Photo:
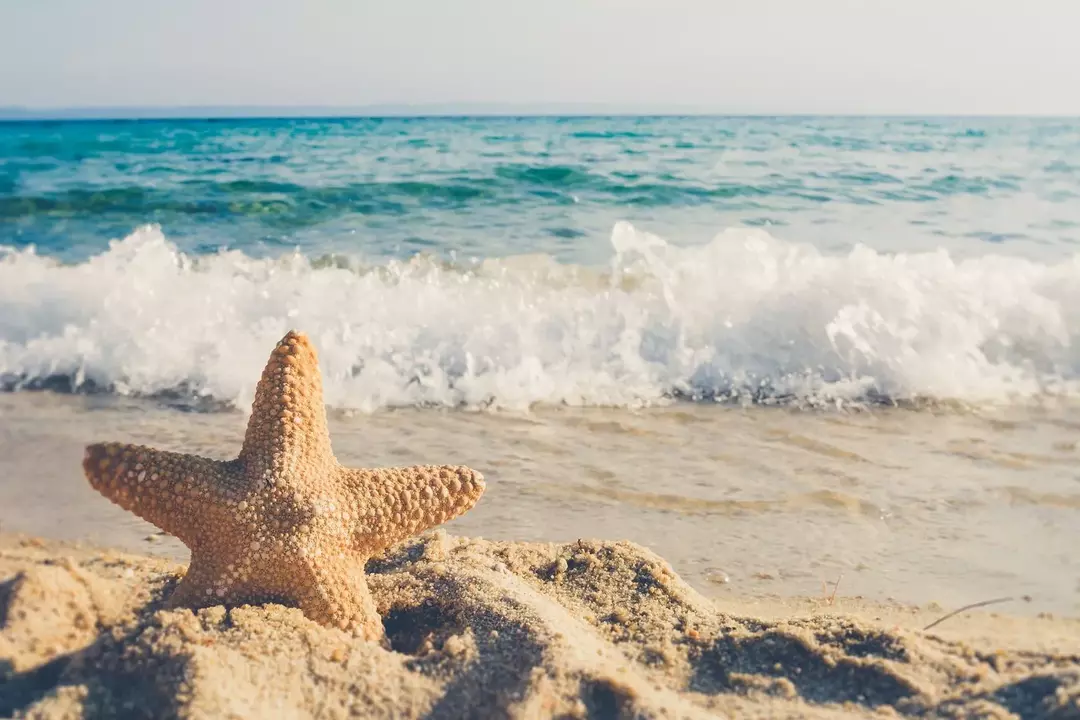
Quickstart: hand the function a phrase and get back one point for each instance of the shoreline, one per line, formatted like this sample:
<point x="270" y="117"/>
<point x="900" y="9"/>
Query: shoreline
<point x="585" y="629"/>
<point x="917" y="507"/>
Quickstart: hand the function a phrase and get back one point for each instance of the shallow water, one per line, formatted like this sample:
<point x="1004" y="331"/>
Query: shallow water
<point x="938" y="505"/>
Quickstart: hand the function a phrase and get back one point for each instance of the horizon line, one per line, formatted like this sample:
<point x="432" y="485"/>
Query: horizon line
<point x="442" y="110"/>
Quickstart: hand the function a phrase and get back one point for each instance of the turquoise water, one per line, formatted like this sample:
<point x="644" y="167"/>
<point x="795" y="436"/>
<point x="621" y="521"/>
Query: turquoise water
<point x="582" y="261"/>
<point x="494" y="187"/>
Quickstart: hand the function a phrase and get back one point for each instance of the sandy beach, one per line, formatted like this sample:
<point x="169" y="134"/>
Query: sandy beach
<point x="618" y="417"/>
<point x="498" y="629"/>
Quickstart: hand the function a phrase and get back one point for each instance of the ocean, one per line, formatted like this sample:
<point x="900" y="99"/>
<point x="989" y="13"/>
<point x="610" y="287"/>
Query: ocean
<point x="778" y="351"/>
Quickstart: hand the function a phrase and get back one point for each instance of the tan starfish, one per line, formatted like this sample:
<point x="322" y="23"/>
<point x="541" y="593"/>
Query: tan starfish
<point x="284" y="522"/>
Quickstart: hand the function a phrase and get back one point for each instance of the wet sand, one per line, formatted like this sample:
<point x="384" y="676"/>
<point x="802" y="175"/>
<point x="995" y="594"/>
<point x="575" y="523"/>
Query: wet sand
<point x="940" y="505"/>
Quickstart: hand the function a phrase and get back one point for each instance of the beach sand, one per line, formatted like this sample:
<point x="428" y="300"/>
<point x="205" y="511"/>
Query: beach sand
<point x="502" y="629"/>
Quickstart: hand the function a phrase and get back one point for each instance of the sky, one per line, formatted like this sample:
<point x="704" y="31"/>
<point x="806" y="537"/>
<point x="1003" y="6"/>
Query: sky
<point x="726" y="56"/>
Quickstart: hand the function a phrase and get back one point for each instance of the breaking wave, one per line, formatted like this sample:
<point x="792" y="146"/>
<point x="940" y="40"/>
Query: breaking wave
<point x="745" y="318"/>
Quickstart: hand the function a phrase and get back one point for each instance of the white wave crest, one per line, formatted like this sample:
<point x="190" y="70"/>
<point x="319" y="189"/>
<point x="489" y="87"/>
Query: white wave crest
<point x="746" y="316"/>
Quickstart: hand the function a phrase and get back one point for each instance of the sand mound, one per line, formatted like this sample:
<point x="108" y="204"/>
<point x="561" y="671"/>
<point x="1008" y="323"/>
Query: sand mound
<point x="587" y="629"/>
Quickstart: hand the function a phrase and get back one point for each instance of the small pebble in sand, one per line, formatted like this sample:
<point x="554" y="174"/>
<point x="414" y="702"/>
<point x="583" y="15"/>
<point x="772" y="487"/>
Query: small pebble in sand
<point x="454" y="645"/>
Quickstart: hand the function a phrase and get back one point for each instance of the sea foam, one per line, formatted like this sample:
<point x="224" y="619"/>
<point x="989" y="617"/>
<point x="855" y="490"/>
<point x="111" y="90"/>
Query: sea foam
<point x="746" y="317"/>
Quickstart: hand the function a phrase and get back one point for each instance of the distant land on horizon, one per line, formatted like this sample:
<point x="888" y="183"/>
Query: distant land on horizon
<point x="195" y="112"/>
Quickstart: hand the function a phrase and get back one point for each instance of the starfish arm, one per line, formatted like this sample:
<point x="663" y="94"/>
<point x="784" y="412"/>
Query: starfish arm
<point x="181" y="494"/>
<point x="217" y="576"/>
<point x="197" y="588"/>
<point x="392" y="504"/>
<point x="287" y="427"/>
<point x="338" y="595"/>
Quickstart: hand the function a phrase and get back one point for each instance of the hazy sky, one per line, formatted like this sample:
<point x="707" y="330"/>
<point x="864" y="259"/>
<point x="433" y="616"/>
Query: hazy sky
<point x="876" y="56"/>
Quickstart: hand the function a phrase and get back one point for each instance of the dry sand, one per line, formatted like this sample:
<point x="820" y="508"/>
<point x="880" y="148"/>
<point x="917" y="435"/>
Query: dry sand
<point x="490" y="629"/>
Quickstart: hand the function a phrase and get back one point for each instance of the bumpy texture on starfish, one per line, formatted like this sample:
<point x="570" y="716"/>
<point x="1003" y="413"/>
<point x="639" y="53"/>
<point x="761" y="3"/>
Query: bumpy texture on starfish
<point x="284" y="522"/>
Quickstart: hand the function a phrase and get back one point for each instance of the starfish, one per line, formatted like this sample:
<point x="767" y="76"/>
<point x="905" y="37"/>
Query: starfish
<point x="283" y="522"/>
